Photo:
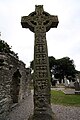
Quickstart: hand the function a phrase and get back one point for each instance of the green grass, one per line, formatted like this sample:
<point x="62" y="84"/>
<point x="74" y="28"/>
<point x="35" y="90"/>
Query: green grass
<point x="58" y="97"/>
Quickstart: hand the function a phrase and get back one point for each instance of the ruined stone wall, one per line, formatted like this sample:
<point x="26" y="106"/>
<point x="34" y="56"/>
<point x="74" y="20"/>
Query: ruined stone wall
<point x="14" y="83"/>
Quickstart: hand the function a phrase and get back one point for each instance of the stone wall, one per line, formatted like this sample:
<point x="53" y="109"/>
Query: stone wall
<point x="14" y="83"/>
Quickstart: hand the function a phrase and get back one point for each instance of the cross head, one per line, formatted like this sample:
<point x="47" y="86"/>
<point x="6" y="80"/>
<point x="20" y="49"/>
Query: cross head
<point x="39" y="19"/>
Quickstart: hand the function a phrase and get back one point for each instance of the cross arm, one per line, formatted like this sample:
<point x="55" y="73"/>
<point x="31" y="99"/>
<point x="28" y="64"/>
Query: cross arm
<point x="26" y="23"/>
<point x="55" y="21"/>
<point x="51" y="22"/>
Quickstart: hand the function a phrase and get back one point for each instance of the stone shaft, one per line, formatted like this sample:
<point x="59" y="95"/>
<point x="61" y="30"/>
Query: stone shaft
<point x="41" y="73"/>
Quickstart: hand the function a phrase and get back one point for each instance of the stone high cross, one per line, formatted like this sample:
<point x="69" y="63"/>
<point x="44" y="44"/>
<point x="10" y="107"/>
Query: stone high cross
<point x="40" y="22"/>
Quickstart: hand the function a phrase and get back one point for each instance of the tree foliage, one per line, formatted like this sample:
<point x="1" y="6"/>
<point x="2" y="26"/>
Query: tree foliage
<point x="52" y="62"/>
<point x="61" y="67"/>
<point x="4" y="47"/>
<point x="64" y="67"/>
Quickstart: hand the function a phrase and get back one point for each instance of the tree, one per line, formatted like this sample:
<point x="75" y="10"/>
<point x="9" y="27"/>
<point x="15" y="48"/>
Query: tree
<point x="65" y="67"/>
<point x="4" y="47"/>
<point x="60" y="68"/>
<point x="52" y="62"/>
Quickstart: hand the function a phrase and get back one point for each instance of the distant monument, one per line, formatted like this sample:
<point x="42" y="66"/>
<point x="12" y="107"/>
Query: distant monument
<point x="40" y="22"/>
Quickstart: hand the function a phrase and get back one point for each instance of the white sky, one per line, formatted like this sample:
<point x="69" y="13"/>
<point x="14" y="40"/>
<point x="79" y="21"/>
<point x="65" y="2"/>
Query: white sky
<point x="62" y="41"/>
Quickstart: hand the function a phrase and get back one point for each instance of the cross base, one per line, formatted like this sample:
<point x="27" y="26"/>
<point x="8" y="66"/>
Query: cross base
<point x="49" y="115"/>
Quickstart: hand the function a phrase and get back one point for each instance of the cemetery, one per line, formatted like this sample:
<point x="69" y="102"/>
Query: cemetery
<point x="50" y="98"/>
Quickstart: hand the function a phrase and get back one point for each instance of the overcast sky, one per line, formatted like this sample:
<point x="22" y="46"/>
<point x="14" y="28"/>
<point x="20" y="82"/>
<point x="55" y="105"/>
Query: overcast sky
<point x="62" y="41"/>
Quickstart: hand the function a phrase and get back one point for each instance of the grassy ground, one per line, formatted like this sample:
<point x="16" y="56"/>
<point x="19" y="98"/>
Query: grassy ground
<point x="58" y="97"/>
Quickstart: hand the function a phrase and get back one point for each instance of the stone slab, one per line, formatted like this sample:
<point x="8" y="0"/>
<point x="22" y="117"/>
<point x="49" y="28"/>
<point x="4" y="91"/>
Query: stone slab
<point x="69" y="91"/>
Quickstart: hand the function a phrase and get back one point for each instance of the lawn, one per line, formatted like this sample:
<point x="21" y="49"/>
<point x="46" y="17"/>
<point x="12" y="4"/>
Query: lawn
<point x="58" y="97"/>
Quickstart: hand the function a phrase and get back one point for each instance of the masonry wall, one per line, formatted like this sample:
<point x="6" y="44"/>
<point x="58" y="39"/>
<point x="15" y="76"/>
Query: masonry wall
<point x="14" y="83"/>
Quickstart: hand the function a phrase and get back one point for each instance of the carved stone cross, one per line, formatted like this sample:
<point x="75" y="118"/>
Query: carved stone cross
<point x="40" y="22"/>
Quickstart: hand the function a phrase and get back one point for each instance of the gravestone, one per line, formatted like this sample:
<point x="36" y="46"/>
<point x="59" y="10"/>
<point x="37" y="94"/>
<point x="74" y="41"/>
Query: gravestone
<point x="66" y="82"/>
<point x="71" y="84"/>
<point x="77" y="87"/>
<point x="40" y="22"/>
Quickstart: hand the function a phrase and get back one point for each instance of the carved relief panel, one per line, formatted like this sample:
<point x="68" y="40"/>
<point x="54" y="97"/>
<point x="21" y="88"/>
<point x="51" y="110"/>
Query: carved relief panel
<point x="40" y="59"/>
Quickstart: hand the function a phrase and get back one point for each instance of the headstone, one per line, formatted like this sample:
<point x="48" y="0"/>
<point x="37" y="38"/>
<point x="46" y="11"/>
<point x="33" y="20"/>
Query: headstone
<point x="62" y="81"/>
<point x="66" y="82"/>
<point x="57" y="82"/>
<point x="71" y="84"/>
<point x="40" y="22"/>
<point x="77" y="87"/>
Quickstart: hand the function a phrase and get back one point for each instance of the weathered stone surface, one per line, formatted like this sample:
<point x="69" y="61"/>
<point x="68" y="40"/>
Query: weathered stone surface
<point x="77" y="87"/>
<point x="40" y="22"/>
<point x="14" y="83"/>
